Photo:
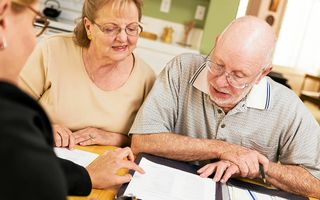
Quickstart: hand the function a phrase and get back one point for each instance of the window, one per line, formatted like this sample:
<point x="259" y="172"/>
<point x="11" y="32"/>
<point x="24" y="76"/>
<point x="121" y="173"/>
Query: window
<point x="298" y="44"/>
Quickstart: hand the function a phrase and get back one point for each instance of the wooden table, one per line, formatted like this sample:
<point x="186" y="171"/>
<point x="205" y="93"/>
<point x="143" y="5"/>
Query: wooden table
<point x="95" y="193"/>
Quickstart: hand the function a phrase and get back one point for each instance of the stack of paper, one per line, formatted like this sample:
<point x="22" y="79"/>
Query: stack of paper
<point x="236" y="193"/>
<point x="165" y="183"/>
<point x="80" y="157"/>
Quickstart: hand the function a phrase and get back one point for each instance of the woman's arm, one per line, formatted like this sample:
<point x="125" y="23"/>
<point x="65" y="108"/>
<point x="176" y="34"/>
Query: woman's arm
<point x="91" y="136"/>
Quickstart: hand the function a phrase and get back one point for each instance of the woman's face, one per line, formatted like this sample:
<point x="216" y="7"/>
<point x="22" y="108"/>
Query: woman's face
<point x="20" y="37"/>
<point x="113" y="47"/>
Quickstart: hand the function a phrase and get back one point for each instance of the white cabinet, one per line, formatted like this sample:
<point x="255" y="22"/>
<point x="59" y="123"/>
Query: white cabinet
<point x="158" y="54"/>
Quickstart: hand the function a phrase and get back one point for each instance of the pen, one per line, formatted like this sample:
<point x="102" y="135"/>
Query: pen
<point x="263" y="175"/>
<point x="252" y="196"/>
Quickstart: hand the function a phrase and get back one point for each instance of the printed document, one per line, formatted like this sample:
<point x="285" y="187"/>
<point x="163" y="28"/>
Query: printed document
<point x="236" y="193"/>
<point x="77" y="156"/>
<point x="165" y="183"/>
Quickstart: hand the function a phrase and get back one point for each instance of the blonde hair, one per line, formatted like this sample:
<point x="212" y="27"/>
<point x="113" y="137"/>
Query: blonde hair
<point x="89" y="10"/>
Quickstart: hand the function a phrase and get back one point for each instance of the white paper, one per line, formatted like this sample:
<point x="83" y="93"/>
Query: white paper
<point x="80" y="157"/>
<point x="236" y="193"/>
<point x="165" y="183"/>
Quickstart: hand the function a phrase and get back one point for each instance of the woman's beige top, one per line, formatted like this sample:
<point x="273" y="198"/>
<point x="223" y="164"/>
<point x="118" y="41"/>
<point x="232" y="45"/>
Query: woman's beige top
<point x="55" y="75"/>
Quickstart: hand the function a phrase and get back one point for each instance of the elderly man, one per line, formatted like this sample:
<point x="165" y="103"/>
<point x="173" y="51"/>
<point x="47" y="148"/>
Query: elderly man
<point x="223" y="107"/>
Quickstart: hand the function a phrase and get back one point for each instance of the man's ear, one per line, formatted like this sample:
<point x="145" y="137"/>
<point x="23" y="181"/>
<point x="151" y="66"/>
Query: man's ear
<point x="265" y="72"/>
<point x="217" y="39"/>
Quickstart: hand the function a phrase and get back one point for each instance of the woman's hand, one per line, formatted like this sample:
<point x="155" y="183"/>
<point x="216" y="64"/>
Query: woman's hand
<point x="63" y="137"/>
<point x="91" y="136"/>
<point x="103" y="171"/>
<point x="224" y="170"/>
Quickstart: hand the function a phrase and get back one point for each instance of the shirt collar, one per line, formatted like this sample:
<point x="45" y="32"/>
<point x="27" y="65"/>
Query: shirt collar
<point x="259" y="96"/>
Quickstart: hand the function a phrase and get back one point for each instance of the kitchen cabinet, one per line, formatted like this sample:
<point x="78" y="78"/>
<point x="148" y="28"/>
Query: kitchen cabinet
<point x="157" y="54"/>
<point x="55" y="27"/>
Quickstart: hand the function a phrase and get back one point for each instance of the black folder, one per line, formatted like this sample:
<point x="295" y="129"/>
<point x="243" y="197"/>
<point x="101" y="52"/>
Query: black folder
<point x="221" y="192"/>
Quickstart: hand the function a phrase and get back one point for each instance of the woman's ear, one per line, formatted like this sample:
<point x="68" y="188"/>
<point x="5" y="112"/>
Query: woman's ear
<point x="87" y="25"/>
<point x="4" y="6"/>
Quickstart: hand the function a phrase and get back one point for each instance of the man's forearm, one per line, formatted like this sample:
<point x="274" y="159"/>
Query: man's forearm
<point x="176" y="146"/>
<point x="294" y="179"/>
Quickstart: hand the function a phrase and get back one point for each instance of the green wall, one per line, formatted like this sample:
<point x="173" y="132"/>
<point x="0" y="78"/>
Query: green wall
<point x="181" y="11"/>
<point x="221" y="13"/>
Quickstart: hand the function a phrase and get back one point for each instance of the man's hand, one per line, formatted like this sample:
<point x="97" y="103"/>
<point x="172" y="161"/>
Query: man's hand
<point x="224" y="170"/>
<point x="246" y="159"/>
<point x="103" y="171"/>
<point x="63" y="137"/>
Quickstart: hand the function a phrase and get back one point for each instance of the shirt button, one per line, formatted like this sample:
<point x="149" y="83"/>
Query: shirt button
<point x="219" y="111"/>
<point x="223" y="125"/>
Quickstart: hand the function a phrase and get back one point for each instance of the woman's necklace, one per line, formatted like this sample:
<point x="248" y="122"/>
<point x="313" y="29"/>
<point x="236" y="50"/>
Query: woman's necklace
<point x="91" y="73"/>
<point x="108" y="77"/>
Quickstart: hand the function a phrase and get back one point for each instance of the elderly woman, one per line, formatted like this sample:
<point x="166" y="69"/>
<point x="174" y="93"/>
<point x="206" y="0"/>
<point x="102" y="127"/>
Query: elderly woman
<point x="30" y="168"/>
<point x="90" y="82"/>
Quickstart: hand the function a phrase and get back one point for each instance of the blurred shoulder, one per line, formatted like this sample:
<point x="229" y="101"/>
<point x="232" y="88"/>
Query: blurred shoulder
<point x="59" y="40"/>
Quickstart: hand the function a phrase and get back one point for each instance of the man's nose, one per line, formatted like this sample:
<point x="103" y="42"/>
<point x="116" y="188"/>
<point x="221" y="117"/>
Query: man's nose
<point x="222" y="80"/>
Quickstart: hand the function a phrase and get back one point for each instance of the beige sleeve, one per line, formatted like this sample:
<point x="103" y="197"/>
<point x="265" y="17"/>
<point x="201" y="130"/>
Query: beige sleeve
<point x="33" y="76"/>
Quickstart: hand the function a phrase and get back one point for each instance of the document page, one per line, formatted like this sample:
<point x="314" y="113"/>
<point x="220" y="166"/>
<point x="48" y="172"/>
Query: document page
<point x="236" y="193"/>
<point x="165" y="183"/>
<point x="80" y="157"/>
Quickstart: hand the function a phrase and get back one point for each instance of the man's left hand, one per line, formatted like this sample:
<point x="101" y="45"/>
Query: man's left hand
<point x="223" y="170"/>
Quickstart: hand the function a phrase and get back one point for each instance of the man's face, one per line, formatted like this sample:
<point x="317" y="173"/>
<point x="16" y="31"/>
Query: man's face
<point x="231" y="76"/>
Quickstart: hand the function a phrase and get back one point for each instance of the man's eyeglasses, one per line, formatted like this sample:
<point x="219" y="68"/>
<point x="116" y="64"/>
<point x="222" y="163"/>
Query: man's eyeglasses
<point x="40" y="22"/>
<point x="218" y="70"/>
<point x="133" y="29"/>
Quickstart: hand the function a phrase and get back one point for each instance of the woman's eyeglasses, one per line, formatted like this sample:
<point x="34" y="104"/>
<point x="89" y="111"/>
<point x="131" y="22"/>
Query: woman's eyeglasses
<point x="133" y="29"/>
<point x="40" y="22"/>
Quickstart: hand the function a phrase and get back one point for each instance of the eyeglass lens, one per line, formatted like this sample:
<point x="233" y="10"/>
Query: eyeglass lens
<point x="133" y="29"/>
<point x="40" y="24"/>
<point x="218" y="70"/>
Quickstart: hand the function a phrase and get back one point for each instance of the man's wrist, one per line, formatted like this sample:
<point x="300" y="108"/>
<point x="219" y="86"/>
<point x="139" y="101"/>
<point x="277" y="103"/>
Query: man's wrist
<point x="220" y="147"/>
